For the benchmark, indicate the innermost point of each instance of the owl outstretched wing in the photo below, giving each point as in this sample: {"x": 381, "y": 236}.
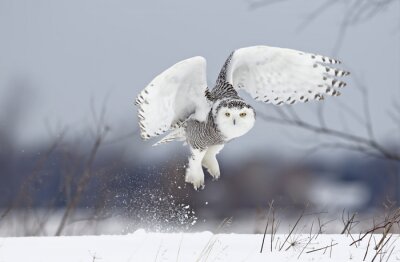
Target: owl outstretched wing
{"x": 173, "y": 96}
{"x": 279, "y": 75}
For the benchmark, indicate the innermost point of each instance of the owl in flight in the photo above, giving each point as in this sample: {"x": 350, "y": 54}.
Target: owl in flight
{"x": 178, "y": 100}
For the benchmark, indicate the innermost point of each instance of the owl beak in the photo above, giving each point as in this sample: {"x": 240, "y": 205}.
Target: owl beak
{"x": 234, "y": 121}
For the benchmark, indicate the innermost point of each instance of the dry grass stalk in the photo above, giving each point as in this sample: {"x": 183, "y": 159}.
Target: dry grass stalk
{"x": 322, "y": 248}
{"x": 294, "y": 227}
{"x": 271, "y": 206}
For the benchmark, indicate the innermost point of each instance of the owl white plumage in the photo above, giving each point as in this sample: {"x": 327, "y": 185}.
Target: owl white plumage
{"x": 179, "y": 101}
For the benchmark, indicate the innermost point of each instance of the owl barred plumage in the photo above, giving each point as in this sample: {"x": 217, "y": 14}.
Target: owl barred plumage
{"x": 179, "y": 101}
{"x": 200, "y": 135}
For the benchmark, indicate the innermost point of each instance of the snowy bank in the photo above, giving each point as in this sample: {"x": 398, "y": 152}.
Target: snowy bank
{"x": 205, "y": 246}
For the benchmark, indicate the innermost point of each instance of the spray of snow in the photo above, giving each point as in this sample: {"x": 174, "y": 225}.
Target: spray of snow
{"x": 155, "y": 202}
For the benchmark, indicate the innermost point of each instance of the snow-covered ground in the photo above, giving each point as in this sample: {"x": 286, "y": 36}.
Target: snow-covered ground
{"x": 205, "y": 246}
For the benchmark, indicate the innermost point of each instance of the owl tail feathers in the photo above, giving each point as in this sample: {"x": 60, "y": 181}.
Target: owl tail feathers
{"x": 177, "y": 134}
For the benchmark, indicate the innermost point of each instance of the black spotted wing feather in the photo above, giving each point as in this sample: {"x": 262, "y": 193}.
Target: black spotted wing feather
{"x": 172, "y": 97}
{"x": 282, "y": 76}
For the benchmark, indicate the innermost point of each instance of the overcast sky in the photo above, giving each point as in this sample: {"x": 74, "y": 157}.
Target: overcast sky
{"x": 68, "y": 52}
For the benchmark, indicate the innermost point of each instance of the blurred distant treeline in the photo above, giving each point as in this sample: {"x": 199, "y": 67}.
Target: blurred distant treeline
{"x": 59, "y": 176}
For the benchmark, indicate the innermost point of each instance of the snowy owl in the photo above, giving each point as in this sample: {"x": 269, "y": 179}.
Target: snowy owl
{"x": 179, "y": 101}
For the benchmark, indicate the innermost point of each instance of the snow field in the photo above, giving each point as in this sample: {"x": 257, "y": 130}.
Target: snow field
{"x": 204, "y": 246}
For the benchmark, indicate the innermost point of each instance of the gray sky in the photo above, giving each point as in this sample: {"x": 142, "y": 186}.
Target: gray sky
{"x": 71, "y": 51}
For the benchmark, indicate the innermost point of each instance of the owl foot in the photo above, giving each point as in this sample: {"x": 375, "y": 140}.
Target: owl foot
{"x": 210, "y": 161}
{"x": 194, "y": 172}
{"x": 195, "y": 177}
{"x": 212, "y": 168}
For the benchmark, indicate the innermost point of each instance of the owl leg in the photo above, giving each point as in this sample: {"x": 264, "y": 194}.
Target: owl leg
{"x": 194, "y": 171}
{"x": 210, "y": 161}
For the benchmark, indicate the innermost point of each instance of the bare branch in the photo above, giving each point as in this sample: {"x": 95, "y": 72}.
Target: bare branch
{"x": 102, "y": 130}
{"x": 355, "y": 139}
{"x": 36, "y": 170}
{"x": 356, "y": 12}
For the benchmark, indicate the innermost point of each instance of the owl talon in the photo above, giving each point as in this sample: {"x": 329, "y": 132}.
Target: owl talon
{"x": 214, "y": 173}
{"x": 215, "y": 178}
{"x": 196, "y": 179}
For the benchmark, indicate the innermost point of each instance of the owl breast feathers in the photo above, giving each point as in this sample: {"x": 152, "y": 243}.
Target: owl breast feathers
{"x": 178, "y": 100}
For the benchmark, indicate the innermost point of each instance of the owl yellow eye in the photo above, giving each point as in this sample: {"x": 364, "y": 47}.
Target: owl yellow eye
{"x": 243, "y": 114}
{"x": 227, "y": 114}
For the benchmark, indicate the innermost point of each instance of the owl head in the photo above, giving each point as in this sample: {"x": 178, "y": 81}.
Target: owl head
{"x": 234, "y": 118}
